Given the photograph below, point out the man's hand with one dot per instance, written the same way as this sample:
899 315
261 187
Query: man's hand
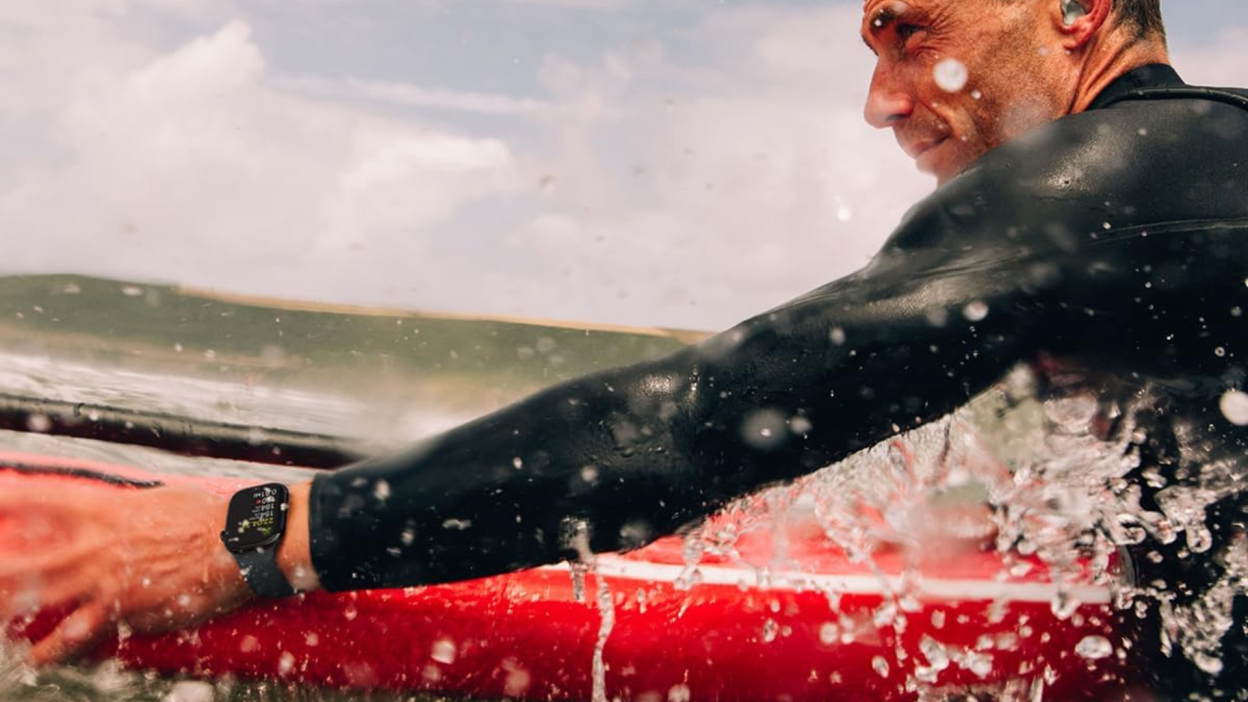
149 559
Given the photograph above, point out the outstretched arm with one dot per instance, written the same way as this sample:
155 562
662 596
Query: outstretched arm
631 454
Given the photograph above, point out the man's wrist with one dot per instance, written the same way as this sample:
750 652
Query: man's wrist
294 554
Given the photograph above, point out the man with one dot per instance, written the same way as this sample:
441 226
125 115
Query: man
1092 218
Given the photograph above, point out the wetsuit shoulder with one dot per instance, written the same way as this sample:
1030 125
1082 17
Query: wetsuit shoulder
1082 179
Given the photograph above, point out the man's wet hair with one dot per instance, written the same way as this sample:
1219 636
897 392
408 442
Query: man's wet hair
1143 15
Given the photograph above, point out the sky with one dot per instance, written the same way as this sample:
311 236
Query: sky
682 163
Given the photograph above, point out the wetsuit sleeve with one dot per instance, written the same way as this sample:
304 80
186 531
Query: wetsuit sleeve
628 455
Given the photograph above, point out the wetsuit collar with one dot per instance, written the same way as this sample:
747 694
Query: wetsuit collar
1154 75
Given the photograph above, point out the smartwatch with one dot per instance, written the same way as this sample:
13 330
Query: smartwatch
254 526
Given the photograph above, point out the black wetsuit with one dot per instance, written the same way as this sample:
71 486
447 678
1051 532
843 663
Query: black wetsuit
1115 240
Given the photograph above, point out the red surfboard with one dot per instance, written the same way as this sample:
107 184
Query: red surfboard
647 627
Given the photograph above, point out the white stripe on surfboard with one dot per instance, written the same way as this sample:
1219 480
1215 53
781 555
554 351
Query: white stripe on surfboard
931 588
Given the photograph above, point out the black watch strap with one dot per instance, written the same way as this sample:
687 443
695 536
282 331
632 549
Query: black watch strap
259 569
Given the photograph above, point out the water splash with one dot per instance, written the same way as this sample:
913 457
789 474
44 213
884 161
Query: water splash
587 564
1055 466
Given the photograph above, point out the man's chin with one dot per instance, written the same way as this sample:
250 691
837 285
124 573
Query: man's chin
942 162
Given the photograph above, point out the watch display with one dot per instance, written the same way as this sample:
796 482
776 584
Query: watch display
256 517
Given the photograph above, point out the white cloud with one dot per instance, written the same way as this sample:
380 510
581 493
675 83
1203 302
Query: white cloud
186 166
409 95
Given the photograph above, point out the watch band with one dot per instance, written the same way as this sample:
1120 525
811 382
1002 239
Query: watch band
259 569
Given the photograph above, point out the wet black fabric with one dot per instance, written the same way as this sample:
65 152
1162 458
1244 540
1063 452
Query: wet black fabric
1115 239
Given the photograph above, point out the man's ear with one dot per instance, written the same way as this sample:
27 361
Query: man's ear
1079 20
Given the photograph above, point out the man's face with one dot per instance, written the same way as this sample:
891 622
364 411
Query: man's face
955 78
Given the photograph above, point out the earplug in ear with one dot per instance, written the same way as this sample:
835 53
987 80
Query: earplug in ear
1072 10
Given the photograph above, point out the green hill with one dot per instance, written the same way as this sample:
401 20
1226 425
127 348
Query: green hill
454 361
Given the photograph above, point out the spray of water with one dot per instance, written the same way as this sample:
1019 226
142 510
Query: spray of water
587 564
1053 469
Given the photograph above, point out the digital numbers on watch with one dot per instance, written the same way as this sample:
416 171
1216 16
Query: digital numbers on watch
256 517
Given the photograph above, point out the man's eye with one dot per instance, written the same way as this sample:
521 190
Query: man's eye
905 31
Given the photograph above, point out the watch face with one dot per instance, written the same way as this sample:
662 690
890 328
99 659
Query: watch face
257 517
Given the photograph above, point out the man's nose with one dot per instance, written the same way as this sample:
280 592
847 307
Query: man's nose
887 101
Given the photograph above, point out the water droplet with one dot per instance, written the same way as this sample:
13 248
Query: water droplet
828 634
880 666
1234 406
1064 605
381 491
770 630
1094 648
844 214
837 336
285 663
978 663
191 691
443 651
1209 663
1220 352
937 317
975 312
764 429
800 426
39 423
885 614
951 75
935 652
679 693
76 629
